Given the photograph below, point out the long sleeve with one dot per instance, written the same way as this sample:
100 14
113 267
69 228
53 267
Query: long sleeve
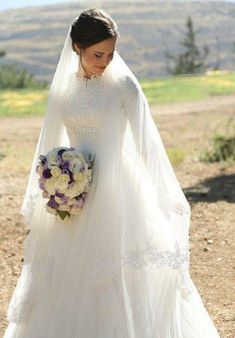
134 101
151 150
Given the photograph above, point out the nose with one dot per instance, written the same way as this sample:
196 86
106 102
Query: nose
107 61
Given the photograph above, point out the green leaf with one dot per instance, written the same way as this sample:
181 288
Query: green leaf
62 214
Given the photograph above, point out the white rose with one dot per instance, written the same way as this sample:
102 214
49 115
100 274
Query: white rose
74 191
40 169
55 171
68 155
62 188
76 211
76 165
71 201
52 156
50 185
63 178
64 207
57 199
51 210
78 177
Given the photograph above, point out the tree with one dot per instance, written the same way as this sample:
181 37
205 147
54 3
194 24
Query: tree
2 53
13 76
191 61
218 50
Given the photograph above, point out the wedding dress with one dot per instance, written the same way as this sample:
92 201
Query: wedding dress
120 269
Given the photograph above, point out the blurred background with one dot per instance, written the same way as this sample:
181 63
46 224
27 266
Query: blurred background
183 54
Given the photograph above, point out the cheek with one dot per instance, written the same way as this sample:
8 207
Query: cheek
93 60
89 60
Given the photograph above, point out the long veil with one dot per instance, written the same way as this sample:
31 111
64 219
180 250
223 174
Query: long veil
138 210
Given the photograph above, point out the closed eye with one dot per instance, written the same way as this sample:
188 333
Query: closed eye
98 55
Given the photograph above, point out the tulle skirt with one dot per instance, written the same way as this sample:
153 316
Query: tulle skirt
77 283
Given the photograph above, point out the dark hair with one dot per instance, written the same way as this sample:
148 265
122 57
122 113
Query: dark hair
92 26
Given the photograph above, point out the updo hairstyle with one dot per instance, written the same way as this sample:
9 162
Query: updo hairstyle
92 26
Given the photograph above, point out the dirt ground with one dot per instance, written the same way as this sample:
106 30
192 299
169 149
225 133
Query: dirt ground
208 187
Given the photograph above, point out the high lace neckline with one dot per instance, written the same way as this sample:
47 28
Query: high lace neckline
82 78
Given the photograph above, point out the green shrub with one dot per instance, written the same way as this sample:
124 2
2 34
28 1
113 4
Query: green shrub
2 156
176 155
13 76
223 149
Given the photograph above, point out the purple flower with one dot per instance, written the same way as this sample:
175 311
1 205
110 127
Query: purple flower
52 203
64 200
65 171
41 184
59 160
71 178
66 165
79 203
46 173
59 194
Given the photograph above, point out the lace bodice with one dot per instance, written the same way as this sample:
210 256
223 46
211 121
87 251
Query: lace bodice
82 115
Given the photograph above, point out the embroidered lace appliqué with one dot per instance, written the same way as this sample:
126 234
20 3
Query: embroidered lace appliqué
151 257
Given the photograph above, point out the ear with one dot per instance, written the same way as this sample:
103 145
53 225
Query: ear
76 47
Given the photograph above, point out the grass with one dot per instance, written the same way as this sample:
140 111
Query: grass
22 103
176 155
188 88
28 102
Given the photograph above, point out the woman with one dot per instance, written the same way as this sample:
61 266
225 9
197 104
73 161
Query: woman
121 268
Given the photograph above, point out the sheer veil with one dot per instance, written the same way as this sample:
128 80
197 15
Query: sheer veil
138 210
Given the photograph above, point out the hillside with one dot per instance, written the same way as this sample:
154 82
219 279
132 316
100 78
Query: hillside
33 36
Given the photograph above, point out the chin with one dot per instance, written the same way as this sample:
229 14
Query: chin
100 70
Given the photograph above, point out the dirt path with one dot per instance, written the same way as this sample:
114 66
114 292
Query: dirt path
208 188
222 103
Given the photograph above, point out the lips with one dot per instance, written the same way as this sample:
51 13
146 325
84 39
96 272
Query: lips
100 67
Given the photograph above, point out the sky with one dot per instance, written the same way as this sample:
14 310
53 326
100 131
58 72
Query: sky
9 4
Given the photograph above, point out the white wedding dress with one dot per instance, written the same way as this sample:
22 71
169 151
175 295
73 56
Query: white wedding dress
80 295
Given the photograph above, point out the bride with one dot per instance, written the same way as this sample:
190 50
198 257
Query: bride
121 268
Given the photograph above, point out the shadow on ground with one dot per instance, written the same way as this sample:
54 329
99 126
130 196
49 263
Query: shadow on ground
218 188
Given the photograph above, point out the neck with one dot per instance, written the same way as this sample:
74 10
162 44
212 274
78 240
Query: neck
83 73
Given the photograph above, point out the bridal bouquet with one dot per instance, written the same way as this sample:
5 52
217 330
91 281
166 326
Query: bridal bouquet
65 177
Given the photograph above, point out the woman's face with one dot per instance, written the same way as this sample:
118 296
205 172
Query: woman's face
97 57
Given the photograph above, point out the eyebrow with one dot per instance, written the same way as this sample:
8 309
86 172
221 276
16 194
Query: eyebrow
103 53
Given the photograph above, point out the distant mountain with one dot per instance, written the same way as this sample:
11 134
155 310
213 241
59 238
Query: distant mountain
9 4
33 37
